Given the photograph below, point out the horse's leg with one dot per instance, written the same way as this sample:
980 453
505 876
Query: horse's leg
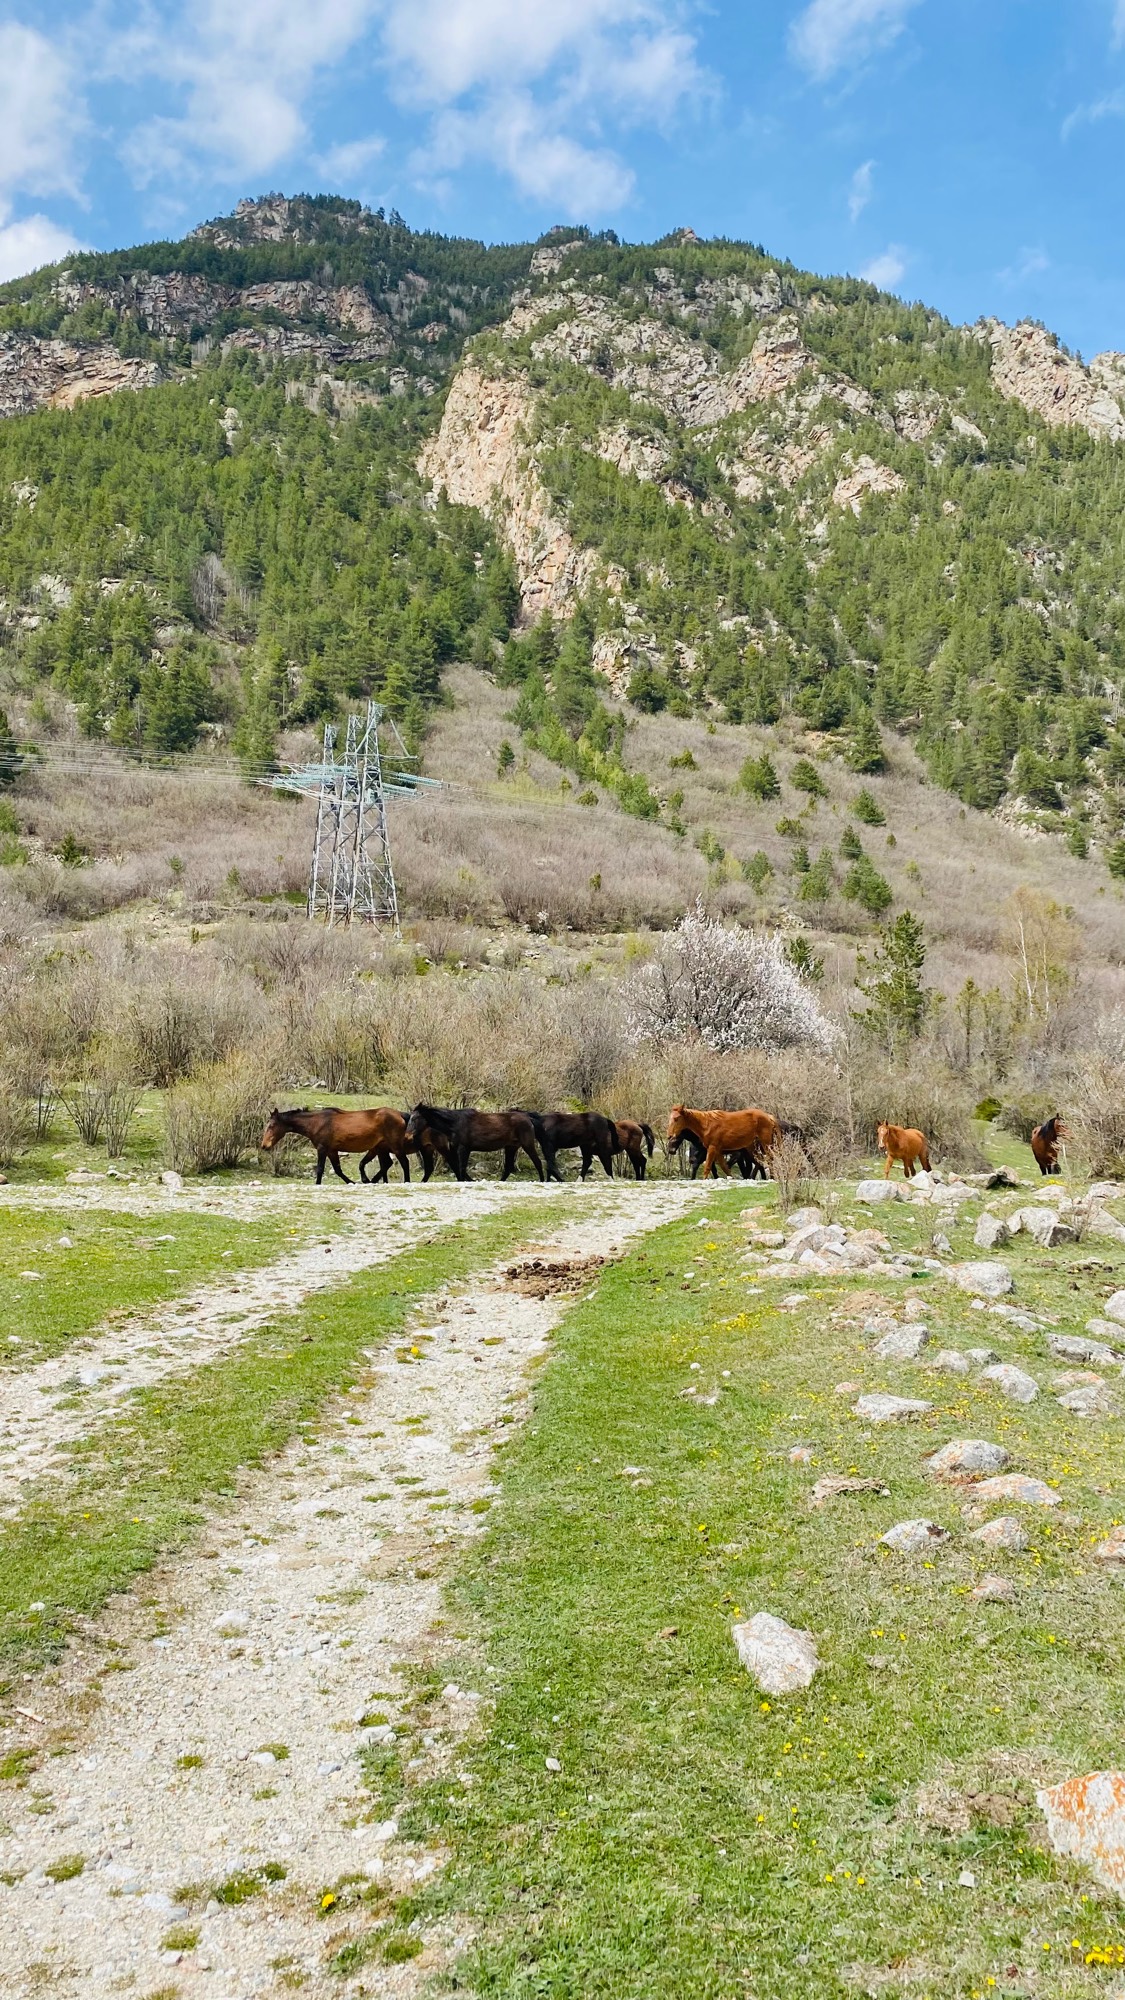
509 1162
461 1163
320 1159
403 1159
338 1169
551 1157
533 1156
640 1164
605 1155
427 1154
587 1161
384 1165
713 1158
365 1163
887 1169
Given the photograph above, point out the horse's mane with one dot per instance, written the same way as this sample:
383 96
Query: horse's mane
433 1115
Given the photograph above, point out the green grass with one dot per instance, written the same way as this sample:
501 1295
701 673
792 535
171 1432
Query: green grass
117 1264
142 1485
700 1839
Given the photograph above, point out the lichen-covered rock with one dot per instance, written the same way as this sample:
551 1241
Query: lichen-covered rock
948 1361
1005 1532
1112 1550
1017 1486
968 1458
780 1657
1079 1347
1086 1822
1114 1308
991 1233
1089 1399
905 1343
994 1590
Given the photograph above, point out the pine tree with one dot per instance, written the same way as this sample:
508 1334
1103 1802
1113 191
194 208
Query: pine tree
11 762
891 983
865 752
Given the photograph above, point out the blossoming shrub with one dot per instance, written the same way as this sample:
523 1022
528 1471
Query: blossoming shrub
730 989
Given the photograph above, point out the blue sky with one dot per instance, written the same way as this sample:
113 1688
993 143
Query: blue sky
966 152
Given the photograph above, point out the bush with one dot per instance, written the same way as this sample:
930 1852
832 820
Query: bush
728 989
759 778
818 881
216 1119
923 1095
1020 1116
864 885
806 778
757 870
17 1121
867 808
1096 1118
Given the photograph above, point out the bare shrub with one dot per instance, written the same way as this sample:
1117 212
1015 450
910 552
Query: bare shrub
591 1028
17 1121
1096 1117
345 1043
728 989
216 1118
926 1097
1020 1115
86 1106
792 1171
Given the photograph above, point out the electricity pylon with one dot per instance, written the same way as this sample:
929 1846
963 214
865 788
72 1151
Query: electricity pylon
351 880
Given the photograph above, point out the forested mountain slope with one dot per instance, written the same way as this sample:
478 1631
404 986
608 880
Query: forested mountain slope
687 476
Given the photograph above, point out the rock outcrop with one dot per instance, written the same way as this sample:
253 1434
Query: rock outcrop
861 480
60 373
1029 367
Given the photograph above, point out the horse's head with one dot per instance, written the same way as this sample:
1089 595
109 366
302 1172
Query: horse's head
418 1120
274 1131
677 1125
1060 1130
881 1135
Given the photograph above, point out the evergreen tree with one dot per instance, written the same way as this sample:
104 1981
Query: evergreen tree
11 762
891 983
865 751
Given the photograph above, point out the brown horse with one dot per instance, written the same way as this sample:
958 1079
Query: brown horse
636 1140
1045 1142
590 1131
377 1134
903 1142
724 1133
471 1131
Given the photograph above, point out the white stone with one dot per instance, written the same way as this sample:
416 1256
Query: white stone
1114 1308
1013 1382
880 1409
964 1458
1046 1228
233 1624
1078 1347
950 1362
1005 1532
991 1233
1093 1399
981 1357
1105 1329
780 1657
904 1344
985 1278
1106 1191
994 1590
912 1537
172 1181
876 1191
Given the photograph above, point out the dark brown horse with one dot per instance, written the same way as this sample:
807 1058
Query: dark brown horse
470 1131
1045 1142
590 1131
637 1141
376 1134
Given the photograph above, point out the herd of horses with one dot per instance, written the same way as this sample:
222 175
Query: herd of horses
714 1141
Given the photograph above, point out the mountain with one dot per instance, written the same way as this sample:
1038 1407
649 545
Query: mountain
682 477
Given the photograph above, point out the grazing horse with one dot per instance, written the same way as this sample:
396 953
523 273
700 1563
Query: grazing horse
471 1131
902 1142
377 1134
590 1131
725 1133
1045 1142
636 1140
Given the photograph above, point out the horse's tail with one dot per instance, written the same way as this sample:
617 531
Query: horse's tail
649 1137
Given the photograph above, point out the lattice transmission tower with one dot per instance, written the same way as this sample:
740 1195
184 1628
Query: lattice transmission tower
351 880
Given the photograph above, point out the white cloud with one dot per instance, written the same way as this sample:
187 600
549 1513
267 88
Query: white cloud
887 269
1029 263
27 244
1111 106
348 164
41 114
861 190
546 165
831 34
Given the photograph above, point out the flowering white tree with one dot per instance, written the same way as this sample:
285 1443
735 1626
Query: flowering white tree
731 989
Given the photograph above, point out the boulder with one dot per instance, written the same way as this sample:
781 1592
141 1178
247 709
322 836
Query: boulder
882 1323
802 1217
1086 1822
1114 1308
1078 1347
950 1362
876 1191
879 1409
1091 1399
904 1344
172 1181
911 1538
922 1182
780 1657
1112 1550
991 1233
994 1590
815 1236
1105 1329
985 1279
1000 1177
1046 1227
1013 1382
1017 1486
915 1308
967 1458
1005 1532
981 1357
1106 1191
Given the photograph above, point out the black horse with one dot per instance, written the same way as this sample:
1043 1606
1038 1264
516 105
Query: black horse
470 1131
557 1131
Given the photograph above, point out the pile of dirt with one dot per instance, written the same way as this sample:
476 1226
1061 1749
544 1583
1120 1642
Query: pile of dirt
547 1277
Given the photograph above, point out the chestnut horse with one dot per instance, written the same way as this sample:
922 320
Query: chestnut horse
902 1142
724 1133
376 1134
1045 1142
636 1140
